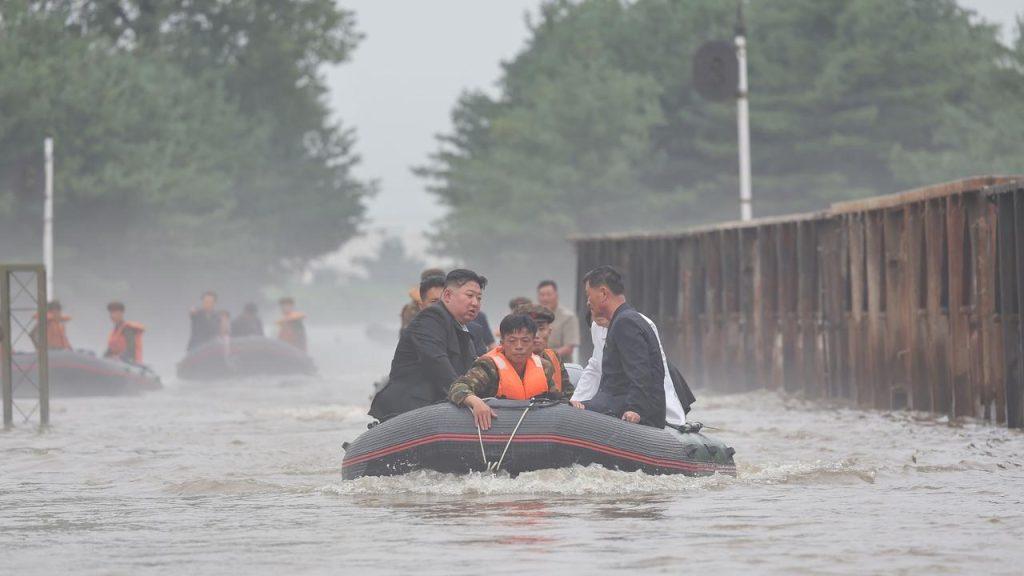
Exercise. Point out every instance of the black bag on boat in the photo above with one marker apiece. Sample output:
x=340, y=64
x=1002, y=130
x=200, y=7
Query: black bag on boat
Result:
x=686, y=397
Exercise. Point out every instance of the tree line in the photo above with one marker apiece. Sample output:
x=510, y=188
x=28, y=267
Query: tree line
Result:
x=193, y=138
x=597, y=126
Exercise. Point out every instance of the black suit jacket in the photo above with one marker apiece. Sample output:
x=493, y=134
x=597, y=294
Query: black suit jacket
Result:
x=632, y=369
x=432, y=352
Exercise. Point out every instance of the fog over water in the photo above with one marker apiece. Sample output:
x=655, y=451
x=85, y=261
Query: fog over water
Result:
x=244, y=477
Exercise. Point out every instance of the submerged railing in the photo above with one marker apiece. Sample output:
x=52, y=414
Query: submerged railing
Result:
x=912, y=300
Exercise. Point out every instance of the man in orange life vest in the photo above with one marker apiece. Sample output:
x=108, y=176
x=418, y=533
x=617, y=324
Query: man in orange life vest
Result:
x=125, y=340
x=510, y=371
x=544, y=317
x=291, y=328
x=56, y=329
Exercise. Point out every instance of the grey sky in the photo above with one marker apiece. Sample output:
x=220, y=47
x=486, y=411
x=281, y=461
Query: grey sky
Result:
x=418, y=56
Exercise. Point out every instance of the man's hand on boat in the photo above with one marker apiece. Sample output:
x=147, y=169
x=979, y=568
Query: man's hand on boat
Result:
x=577, y=404
x=630, y=416
x=482, y=413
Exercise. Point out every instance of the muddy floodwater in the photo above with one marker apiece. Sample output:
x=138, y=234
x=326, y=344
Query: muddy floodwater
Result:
x=244, y=477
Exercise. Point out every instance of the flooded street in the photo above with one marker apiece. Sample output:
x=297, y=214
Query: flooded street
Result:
x=244, y=477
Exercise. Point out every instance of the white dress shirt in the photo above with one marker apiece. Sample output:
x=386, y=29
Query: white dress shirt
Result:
x=590, y=380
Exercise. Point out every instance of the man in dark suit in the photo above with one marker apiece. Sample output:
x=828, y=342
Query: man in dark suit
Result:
x=632, y=370
x=434, y=350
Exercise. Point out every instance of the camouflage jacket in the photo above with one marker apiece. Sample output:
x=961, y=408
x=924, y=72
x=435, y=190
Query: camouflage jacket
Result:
x=482, y=380
x=567, y=387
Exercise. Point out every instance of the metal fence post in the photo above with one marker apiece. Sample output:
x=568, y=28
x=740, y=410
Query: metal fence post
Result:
x=8, y=346
x=42, y=352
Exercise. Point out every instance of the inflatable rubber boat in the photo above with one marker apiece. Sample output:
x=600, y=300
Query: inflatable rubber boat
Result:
x=246, y=356
x=527, y=436
x=82, y=373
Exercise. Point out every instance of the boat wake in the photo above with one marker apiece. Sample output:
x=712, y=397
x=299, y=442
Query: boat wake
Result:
x=596, y=480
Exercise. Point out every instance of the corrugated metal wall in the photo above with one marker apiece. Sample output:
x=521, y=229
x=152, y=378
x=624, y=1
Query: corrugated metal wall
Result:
x=910, y=300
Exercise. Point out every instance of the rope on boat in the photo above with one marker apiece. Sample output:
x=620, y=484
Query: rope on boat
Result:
x=509, y=443
x=493, y=467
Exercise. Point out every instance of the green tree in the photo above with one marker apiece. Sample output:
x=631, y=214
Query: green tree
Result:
x=147, y=157
x=194, y=143
x=598, y=127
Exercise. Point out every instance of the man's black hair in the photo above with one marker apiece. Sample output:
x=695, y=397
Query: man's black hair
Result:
x=210, y=293
x=115, y=305
x=544, y=283
x=607, y=276
x=286, y=300
x=53, y=305
x=516, y=322
x=429, y=283
x=460, y=277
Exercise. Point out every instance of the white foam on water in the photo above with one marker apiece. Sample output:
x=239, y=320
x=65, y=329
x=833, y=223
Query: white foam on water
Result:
x=335, y=412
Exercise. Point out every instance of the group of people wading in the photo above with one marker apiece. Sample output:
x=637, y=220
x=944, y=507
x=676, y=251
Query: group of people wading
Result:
x=124, y=342
x=207, y=323
x=442, y=354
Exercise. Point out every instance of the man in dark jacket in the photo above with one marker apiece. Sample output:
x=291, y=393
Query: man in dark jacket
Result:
x=249, y=323
x=480, y=330
x=205, y=321
x=434, y=350
x=632, y=370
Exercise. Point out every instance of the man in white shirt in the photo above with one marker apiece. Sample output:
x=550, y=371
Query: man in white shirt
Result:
x=590, y=380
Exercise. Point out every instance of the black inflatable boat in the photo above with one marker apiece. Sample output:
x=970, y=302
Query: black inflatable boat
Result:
x=246, y=356
x=82, y=373
x=528, y=436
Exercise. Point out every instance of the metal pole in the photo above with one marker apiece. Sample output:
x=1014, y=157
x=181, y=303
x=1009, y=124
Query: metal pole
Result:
x=48, y=216
x=8, y=346
x=43, y=352
x=743, y=116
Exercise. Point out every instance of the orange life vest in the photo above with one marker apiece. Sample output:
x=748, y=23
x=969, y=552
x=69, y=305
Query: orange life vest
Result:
x=56, y=331
x=533, y=383
x=127, y=347
x=557, y=363
x=291, y=331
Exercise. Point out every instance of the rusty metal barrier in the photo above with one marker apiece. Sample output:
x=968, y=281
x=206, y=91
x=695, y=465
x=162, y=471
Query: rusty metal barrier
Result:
x=912, y=300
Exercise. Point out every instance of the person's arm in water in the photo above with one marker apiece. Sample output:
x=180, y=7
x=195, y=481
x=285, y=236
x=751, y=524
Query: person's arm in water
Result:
x=480, y=382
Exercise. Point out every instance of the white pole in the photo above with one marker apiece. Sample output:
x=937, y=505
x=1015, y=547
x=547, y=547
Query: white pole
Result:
x=743, y=118
x=48, y=218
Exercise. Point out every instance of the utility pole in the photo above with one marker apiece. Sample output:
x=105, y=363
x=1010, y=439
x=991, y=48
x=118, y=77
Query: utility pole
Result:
x=743, y=116
x=48, y=217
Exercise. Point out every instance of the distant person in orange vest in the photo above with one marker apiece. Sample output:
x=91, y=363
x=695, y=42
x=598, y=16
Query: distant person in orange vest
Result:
x=415, y=303
x=510, y=371
x=543, y=318
x=290, y=326
x=125, y=340
x=56, y=327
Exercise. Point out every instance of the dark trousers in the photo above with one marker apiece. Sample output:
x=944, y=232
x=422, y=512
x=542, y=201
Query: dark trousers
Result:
x=607, y=404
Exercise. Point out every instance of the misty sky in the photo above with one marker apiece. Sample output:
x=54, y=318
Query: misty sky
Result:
x=416, y=59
